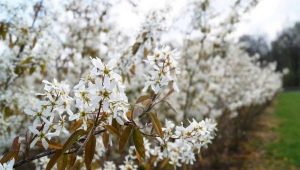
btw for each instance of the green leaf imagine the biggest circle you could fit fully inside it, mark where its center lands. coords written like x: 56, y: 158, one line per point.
x: 3, y: 30
x: 135, y: 47
x: 124, y: 137
x: 105, y: 139
x: 54, y: 145
x: 156, y: 124
x: 112, y: 130
x: 27, y: 60
x: 143, y: 98
x: 62, y: 162
x: 73, y: 139
x: 138, y: 141
x: 53, y: 160
x: 71, y: 160
x: 33, y: 43
x: 32, y: 70
x: 68, y: 144
x: 13, y: 151
x: 115, y: 124
x: 90, y: 150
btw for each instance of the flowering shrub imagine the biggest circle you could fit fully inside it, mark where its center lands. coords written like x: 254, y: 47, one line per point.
x: 140, y: 104
x: 100, y: 106
x: 226, y: 85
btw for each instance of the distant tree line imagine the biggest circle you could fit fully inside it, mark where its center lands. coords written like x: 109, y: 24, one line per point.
x: 285, y: 50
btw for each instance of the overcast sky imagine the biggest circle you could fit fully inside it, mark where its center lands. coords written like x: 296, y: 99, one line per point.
x: 268, y: 18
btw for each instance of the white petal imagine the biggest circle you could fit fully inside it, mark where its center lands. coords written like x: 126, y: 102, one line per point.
x: 119, y: 120
x: 106, y: 82
x: 98, y: 63
x: 74, y: 117
x: 29, y: 112
x: 33, y: 130
x: 33, y: 142
x: 11, y: 164
x: 69, y: 111
x: 45, y: 143
x: 46, y: 121
x: 105, y: 106
x: 112, y: 63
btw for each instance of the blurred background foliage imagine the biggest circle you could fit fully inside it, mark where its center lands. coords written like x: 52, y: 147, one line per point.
x: 285, y: 50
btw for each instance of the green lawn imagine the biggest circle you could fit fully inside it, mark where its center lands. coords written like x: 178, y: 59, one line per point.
x: 288, y: 113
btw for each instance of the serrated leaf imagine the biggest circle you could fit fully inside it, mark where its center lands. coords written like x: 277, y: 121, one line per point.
x: 156, y: 124
x: 71, y: 160
x: 8, y: 156
x: 138, y: 156
x: 112, y: 130
x: 15, y: 145
x: 132, y: 70
x: 115, y: 124
x: 129, y: 115
x: 13, y: 151
x: 24, y: 30
x: 73, y: 139
x: 138, y: 141
x: 77, y: 165
x: 27, y: 60
x: 74, y: 126
x: 90, y: 150
x: 146, y: 166
x: 124, y: 137
x: 33, y: 42
x: 54, y: 145
x: 164, y: 163
x: 146, y: 52
x: 143, y: 98
x: 135, y: 47
x: 105, y: 139
x: 3, y: 30
x: 32, y: 70
x: 68, y: 144
x: 53, y: 160
x: 62, y: 162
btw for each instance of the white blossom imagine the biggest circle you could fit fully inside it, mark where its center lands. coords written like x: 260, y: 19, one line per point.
x: 7, y: 165
x: 163, y: 70
x: 109, y: 165
x: 41, y: 135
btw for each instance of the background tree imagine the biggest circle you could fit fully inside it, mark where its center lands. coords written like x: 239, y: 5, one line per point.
x: 256, y: 45
x: 286, y: 52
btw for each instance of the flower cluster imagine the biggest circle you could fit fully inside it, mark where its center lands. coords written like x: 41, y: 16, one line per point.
x: 101, y: 91
x: 163, y: 70
x: 49, y: 114
x: 177, y: 146
x: 179, y: 141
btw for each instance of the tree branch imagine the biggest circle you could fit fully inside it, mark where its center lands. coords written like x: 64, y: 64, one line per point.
x: 51, y: 152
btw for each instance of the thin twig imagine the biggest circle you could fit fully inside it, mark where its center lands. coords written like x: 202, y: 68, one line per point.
x: 51, y: 152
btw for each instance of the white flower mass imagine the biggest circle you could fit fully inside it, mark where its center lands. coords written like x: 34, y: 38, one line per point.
x: 94, y: 75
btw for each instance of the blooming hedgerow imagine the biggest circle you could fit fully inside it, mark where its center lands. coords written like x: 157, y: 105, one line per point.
x: 100, y: 105
x: 113, y: 114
